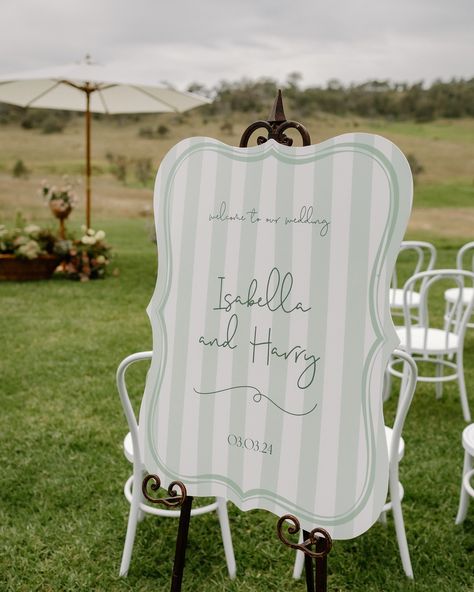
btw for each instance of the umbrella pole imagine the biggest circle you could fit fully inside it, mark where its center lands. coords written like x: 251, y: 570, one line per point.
x: 88, y: 160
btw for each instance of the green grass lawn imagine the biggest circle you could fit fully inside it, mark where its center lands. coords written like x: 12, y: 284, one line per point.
x: 62, y: 511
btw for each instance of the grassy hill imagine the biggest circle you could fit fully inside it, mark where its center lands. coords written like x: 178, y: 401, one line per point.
x: 442, y: 151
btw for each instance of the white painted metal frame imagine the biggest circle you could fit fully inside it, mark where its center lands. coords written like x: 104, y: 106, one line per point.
x: 442, y: 347
x: 452, y: 294
x: 424, y: 255
x: 467, y: 490
x: 133, y: 486
x: 396, y: 450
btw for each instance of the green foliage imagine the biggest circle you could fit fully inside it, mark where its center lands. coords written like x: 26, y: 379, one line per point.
x: 52, y: 124
x: 375, y: 98
x: 47, y: 121
x: 62, y: 512
x: 146, y: 132
x: 227, y: 127
x: 118, y: 166
x: 144, y: 170
x: 162, y: 131
x: 415, y: 165
x: 20, y: 170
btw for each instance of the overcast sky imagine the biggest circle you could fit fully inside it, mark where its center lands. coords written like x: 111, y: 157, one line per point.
x: 184, y: 41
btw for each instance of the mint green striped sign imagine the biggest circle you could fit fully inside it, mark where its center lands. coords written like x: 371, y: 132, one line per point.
x: 271, y: 325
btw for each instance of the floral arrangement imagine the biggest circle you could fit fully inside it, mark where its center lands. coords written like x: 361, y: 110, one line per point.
x: 83, y: 259
x: 28, y: 241
x: 88, y: 257
x: 60, y: 199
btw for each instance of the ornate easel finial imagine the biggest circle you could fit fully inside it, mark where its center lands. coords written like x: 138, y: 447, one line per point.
x: 276, y: 126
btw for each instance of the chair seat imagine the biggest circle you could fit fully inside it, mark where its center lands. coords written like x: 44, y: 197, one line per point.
x: 452, y: 295
x: 401, y: 444
x: 435, y: 340
x: 396, y: 298
x: 128, y: 447
x: 468, y: 439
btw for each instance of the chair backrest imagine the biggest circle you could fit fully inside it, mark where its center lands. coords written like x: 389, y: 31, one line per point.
x: 465, y: 257
x: 455, y: 320
x: 404, y: 402
x: 125, y: 399
x: 422, y: 257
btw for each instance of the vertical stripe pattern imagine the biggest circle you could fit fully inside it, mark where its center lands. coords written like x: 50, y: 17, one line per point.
x: 271, y: 328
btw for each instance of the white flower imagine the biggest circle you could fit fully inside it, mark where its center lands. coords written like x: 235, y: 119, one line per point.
x: 100, y: 235
x: 32, y: 229
x: 100, y: 259
x: 30, y: 250
x: 90, y: 232
x: 88, y: 240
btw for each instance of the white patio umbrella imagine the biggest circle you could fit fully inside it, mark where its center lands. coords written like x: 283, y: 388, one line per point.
x: 92, y: 88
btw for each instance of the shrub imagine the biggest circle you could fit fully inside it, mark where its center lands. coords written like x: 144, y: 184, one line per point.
x: 143, y: 170
x: 19, y: 170
x: 146, y: 132
x: 119, y: 166
x: 415, y: 165
x: 227, y: 127
x: 52, y: 125
x: 162, y: 131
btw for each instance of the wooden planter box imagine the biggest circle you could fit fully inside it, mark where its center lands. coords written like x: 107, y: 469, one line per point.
x: 14, y: 269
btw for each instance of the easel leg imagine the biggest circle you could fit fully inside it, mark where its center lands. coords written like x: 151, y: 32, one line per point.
x: 181, y: 544
x: 308, y: 567
x: 315, y: 546
x: 321, y: 566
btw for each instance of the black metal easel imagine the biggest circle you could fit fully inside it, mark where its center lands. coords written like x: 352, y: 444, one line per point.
x: 174, y: 501
x: 317, y: 543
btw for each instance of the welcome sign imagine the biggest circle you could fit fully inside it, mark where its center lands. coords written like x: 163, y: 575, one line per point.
x: 271, y: 325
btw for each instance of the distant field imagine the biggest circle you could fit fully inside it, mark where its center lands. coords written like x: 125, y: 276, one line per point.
x: 443, y: 149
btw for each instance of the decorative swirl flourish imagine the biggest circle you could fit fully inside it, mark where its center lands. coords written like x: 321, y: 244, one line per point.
x: 275, y: 132
x: 276, y: 125
x: 318, y: 536
x: 173, y: 501
x: 257, y: 397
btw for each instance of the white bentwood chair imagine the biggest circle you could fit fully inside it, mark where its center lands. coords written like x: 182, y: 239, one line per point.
x: 464, y: 254
x: 422, y: 257
x: 441, y: 346
x: 396, y: 451
x: 133, y: 486
x: 467, y: 491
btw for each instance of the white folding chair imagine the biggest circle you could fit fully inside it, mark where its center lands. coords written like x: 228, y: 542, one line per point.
x: 396, y: 451
x: 464, y: 260
x: 441, y: 346
x: 133, y: 486
x: 422, y: 257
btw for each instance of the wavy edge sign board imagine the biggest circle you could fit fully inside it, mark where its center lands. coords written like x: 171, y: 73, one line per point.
x: 271, y: 325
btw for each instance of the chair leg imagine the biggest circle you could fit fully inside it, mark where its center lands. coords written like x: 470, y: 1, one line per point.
x: 439, y: 374
x: 383, y: 518
x: 464, y: 496
x: 299, y: 561
x: 462, y: 387
x: 400, y: 530
x: 226, y: 536
x: 387, y: 386
x: 130, y: 536
x: 136, y: 515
